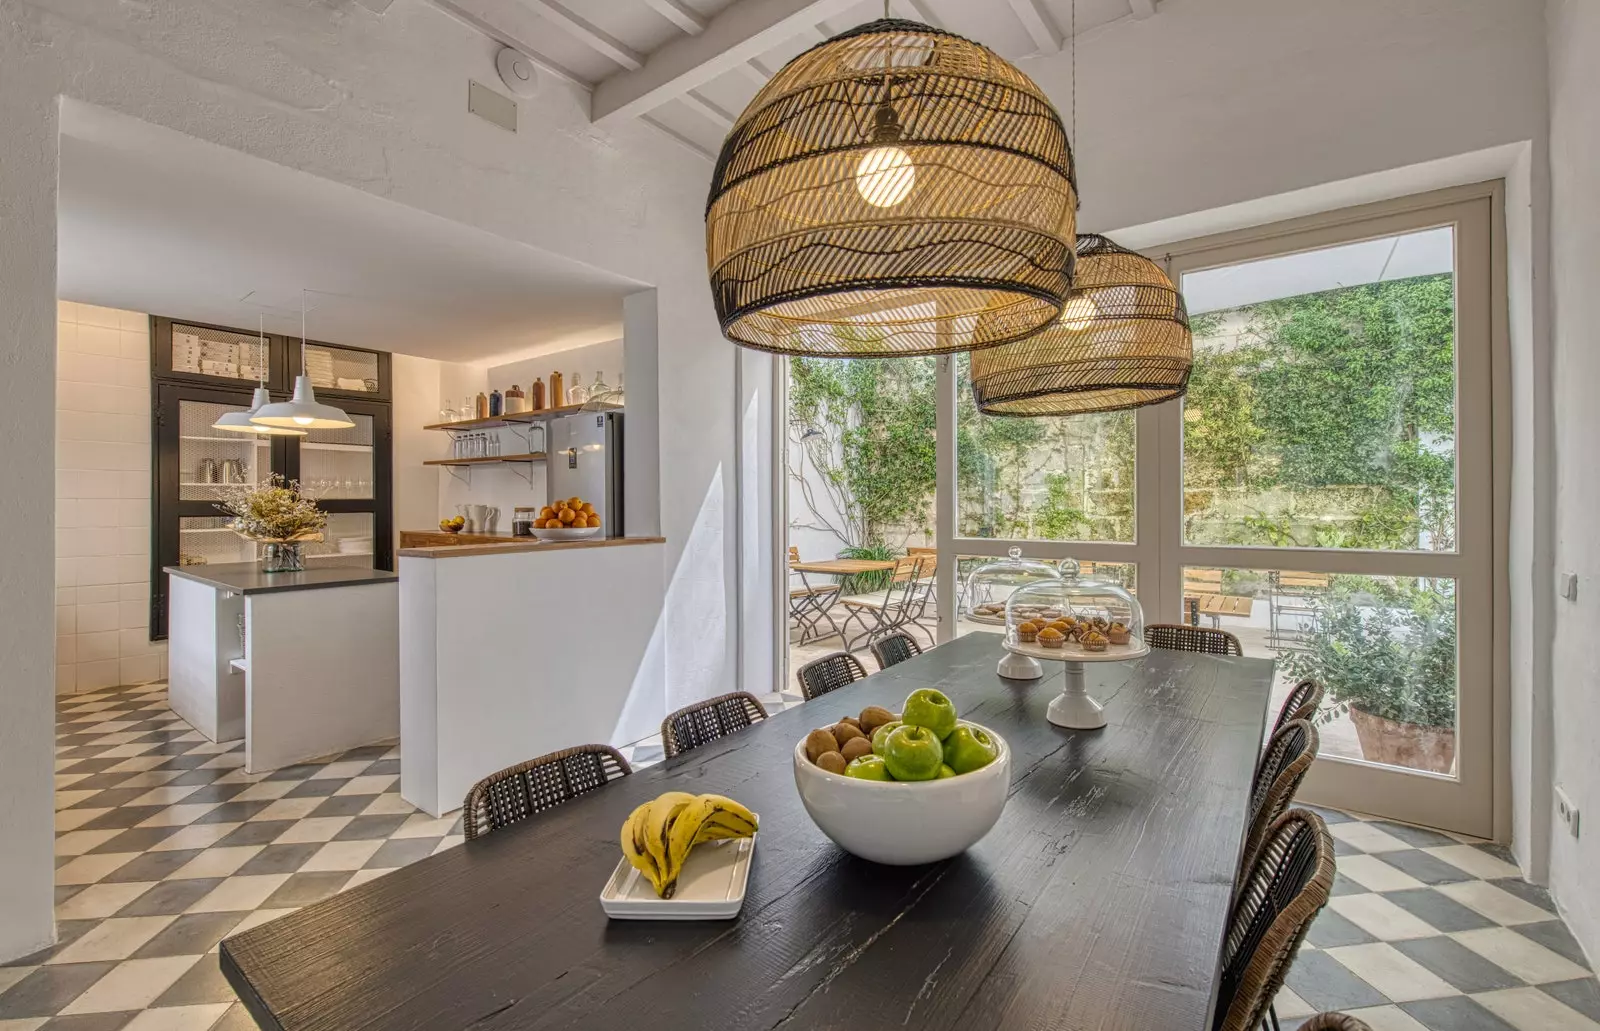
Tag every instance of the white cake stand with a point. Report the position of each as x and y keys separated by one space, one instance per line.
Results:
x=1073 y=708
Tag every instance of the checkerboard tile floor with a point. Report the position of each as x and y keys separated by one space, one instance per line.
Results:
x=165 y=846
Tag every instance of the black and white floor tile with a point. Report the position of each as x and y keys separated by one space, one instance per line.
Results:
x=165 y=846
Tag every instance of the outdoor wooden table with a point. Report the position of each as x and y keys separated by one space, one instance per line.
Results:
x=1097 y=902
x=843 y=566
x=810 y=607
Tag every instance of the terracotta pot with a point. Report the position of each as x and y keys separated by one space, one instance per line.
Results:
x=1405 y=744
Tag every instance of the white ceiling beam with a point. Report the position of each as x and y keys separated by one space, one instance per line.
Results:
x=1143 y=8
x=738 y=33
x=1037 y=21
x=707 y=110
x=680 y=15
x=678 y=138
x=510 y=24
x=587 y=34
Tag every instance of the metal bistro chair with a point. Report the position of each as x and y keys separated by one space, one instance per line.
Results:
x=894 y=648
x=1284 y=891
x=1305 y=698
x=1177 y=637
x=809 y=605
x=517 y=792
x=1282 y=767
x=896 y=608
x=829 y=673
x=704 y=722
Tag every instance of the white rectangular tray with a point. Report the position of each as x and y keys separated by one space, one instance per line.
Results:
x=710 y=887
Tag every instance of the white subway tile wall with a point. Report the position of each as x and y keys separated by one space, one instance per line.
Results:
x=103 y=500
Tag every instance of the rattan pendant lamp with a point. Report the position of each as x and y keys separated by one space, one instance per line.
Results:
x=1122 y=341
x=896 y=190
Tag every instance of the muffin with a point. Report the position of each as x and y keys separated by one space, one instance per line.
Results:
x=1027 y=631
x=1094 y=641
x=1050 y=637
x=1061 y=625
x=1117 y=634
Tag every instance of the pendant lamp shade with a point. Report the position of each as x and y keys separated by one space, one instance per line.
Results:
x=896 y=190
x=1122 y=342
x=303 y=411
x=239 y=422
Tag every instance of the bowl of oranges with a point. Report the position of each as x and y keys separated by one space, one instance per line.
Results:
x=569 y=519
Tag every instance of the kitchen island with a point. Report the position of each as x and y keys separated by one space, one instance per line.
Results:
x=514 y=649
x=300 y=665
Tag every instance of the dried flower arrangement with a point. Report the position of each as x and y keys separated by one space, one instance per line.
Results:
x=273 y=510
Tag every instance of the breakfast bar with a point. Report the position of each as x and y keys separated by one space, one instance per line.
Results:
x=1099 y=899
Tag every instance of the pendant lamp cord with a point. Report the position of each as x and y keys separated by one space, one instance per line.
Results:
x=1072 y=48
x=261 y=348
x=302 y=329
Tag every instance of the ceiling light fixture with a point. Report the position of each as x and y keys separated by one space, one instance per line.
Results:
x=895 y=190
x=239 y=421
x=303 y=411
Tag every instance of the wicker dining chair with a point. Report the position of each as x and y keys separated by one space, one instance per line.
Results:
x=829 y=673
x=1284 y=891
x=894 y=648
x=517 y=792
x=1335 y=1022
x=1282 y=767
x=1182 y=638
x=704 y=722
x=1305 y=698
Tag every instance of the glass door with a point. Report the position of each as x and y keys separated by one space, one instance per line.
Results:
x=347 y=472
x=1327 y=494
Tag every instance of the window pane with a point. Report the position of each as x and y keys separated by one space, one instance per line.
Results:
x=1384 y=647
x=1321 y=410
x=1051 y=479
x=338 y=463
x=347 y=541
x=209 y=460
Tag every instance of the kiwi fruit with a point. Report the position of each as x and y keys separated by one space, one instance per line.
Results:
x=875 y=716
x=854 y=723
x=818 y=742
x=856 y=747
x=833 y=762
x=844 y=732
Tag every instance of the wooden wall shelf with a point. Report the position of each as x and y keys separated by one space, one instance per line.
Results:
x=520 y=418
x=535 y=456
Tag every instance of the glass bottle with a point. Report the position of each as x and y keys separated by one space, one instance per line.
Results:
x=578 y=393
x=599 y=391
x=621 y=392
x=558 y=397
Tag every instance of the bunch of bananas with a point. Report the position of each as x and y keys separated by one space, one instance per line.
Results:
x=659 y=835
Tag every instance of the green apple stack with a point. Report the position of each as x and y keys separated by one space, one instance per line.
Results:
x=927 y=742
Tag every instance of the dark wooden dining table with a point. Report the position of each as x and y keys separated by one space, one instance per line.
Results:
x=1098 y=901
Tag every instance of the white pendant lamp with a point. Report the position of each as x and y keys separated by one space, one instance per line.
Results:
x=239 y=422
x=303 y=411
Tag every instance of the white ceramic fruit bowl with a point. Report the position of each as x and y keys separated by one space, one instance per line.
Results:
x=567 y=533
x=904 y=823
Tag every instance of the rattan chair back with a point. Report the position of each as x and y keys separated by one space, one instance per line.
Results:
x=894 y=648
x=1335 y=1022
x=829 y=673
x=519 y=791
x=1183 y=638
x=703 y=722
x=1282 y=767
x=1283 y=892
x=1305 y=698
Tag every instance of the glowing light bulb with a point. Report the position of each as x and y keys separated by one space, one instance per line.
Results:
x=303 y=420
x=1080 y=313
x=885 y=176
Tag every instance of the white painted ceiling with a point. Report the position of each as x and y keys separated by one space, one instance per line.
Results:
x=155 y=221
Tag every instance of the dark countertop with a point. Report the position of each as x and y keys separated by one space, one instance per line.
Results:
x=247 y=577
x=1098 y=901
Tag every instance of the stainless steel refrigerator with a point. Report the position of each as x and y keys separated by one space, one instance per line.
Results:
x=585 y=459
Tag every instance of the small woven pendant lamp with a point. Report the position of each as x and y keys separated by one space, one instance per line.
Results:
x=896 y=190
x=1122 y=342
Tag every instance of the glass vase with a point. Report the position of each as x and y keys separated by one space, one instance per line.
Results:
x=283 y=557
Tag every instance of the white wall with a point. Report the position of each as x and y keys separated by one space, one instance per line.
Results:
x=1574 y=34
x=585 y=361
x=103 y=500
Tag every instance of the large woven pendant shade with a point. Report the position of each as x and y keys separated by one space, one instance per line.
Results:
x=1122 y=342
x=895 y=190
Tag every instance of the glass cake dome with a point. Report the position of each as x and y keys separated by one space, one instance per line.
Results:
x=1075 y=617
x=991 y=584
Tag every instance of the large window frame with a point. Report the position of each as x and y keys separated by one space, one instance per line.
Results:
x=1476 y=799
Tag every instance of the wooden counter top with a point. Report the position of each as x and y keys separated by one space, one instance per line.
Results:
x=469 y=550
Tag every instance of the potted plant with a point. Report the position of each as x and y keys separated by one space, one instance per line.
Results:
x=275 y=514
x=1391 y=664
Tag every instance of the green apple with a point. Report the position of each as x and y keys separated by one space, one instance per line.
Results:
x=931 y=709
x=880 y=735
x=969 y=748
x=945 y=771
x=868 y=767
x=913 y=753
